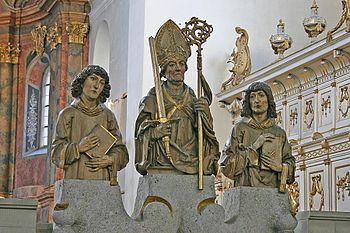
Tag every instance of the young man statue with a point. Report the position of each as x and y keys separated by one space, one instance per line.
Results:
x=73 y=137
x=258 y=153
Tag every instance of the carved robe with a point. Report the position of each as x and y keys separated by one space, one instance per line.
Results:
x=76 y=122
x=242 y=163
x=183 y=139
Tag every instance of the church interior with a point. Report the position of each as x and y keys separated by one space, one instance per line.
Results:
x=301 y=49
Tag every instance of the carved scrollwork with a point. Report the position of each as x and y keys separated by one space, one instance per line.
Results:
x=294 y=197
x=38 y=39
x=77 y=32
x=344 y=18
x=54 y=36
x=344 y=102
x=9 y=53
x=240 y=58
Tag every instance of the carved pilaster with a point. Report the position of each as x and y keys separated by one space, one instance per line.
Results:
x=77 y=32
x=9 y=53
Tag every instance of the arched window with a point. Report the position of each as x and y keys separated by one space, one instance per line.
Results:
x=45 y=102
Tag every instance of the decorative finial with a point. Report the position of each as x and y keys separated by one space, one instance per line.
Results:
x=314 y=25
x=281 y=41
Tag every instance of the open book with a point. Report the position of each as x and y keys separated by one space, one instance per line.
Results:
x=274 y=150
x=106 y=142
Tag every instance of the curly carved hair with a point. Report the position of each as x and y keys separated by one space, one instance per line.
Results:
x=259 y=86
x=78 y=82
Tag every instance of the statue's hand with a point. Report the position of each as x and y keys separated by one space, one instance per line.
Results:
x=202 y=105
x=87 y=143
x=267 y=137
x=95 y=164
x=268 y=162
x=162 y=130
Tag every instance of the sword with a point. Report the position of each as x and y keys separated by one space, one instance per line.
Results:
x=159 y=96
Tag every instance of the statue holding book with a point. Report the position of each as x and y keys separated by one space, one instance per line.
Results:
x=87 y=142
x=166 y=137
x=258 y=153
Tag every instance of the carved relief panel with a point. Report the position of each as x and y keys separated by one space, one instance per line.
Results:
x=309 y=114
x=316 y=190
x=344 y=102
x=280 y=117
x=342 y=185
x=294 y=121
x=32 y=119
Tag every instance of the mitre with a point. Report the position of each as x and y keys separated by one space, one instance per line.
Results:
x=171 y=44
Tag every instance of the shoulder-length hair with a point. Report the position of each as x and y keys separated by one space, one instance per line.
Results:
x=78 y=82
x=259 y=86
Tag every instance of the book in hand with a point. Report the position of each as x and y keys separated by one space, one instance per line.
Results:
x=273 y=150
x=106 y=142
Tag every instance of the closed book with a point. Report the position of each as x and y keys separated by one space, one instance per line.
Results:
x=106 y=141
x=273 y=150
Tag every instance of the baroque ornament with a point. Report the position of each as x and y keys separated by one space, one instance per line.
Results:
x=293 y=117
x=345 y=17
x=326 y=106
x=32 y=121
x=309 y=114
x=281 y=41
x=240 y=58
x=344 y=102
x=294 y=197
x=54 y=36
x=9 y=53
x=38 y=39
x=77 y=32
x=314 y=25
x=343 y=185
x=316 y=188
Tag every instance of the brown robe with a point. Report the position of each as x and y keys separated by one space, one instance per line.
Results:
x=76 y=122
x=183 y=139
x=242 y=163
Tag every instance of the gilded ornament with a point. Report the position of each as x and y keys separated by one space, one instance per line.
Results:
x=9 y=53
x=240 y=58
x=279 y=120
x=314 y=25
x=54 y=36
x=344 y=102
x=345 y=17
x=309 y=114
x=293 y=117
x=294 y=197
x=38 y=39
x=343 y=186
x=316 y=188
x=326 y=106
x=77 y=32
x=281 y=41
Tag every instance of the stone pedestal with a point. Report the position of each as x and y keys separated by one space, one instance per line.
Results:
x=88 y=206
x=251 y=210
x=17 y=215
x=176 y=197
x=323 y=222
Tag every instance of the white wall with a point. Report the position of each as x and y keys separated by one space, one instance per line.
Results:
x=131 y=22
